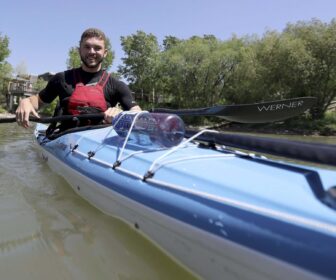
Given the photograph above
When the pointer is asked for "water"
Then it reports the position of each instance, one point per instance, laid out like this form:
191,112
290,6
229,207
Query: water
48,232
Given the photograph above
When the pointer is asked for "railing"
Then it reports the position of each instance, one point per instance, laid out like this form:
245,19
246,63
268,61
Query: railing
16,88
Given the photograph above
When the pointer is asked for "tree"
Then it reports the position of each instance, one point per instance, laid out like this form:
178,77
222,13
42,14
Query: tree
300,61
4,50
48,109
199,70
39,84
318,78
5,67
140,64
170,41
203,71
268,69
74,61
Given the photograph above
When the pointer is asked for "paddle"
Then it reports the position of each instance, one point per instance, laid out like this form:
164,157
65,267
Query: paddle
251,113
299,150
58,119
244,113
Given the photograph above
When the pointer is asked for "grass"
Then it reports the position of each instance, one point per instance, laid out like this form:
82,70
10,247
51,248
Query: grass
325,126
2,110
303,125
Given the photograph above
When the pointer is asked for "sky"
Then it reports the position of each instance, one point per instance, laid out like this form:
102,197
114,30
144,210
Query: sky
41,32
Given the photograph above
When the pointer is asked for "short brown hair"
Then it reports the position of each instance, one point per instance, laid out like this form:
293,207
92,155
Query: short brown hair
93,32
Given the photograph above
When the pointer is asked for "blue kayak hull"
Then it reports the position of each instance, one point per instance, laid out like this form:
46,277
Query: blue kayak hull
219,213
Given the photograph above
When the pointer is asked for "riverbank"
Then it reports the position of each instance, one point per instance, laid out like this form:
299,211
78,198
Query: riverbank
6,115
275,128
296,126
278,129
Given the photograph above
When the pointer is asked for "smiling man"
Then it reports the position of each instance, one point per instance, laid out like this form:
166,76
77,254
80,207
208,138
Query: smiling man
88,89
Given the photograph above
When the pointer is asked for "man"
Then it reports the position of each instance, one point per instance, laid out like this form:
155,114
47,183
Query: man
84,89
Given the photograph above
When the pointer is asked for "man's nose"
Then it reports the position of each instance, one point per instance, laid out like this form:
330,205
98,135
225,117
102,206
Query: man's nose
92,50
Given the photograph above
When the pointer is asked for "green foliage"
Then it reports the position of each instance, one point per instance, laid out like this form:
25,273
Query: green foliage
116,75
5,67
203,71
4,50
49,109
306,125
39,85
141,61
5,75
170,41
198,71
74,60
318,75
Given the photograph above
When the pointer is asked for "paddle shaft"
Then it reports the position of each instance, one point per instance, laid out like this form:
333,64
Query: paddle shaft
58,118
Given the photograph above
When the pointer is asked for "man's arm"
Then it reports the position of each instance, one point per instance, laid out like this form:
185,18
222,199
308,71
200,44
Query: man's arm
27,106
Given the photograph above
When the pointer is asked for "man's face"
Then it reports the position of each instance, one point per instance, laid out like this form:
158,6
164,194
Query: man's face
92,52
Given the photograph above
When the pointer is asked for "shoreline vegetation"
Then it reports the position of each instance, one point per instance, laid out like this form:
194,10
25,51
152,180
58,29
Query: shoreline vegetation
280,128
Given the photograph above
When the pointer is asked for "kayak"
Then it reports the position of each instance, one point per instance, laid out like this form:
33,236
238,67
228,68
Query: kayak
220,213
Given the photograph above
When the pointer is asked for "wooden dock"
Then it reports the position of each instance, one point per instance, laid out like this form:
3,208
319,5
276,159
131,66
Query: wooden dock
18,88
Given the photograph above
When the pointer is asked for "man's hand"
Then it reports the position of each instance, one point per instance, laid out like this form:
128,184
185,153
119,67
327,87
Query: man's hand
25,108
136,108
110,113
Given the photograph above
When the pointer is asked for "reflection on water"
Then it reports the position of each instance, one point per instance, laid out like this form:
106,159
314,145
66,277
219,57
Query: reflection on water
49,232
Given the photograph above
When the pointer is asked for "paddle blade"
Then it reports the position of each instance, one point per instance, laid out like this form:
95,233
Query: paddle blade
267,111
251,113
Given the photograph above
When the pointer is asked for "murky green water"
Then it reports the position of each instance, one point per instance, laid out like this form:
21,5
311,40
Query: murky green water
49,232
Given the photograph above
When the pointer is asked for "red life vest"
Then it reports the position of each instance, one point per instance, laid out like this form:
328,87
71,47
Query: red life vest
87,97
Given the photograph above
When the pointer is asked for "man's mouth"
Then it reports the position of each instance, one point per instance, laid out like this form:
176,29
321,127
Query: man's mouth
91,60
